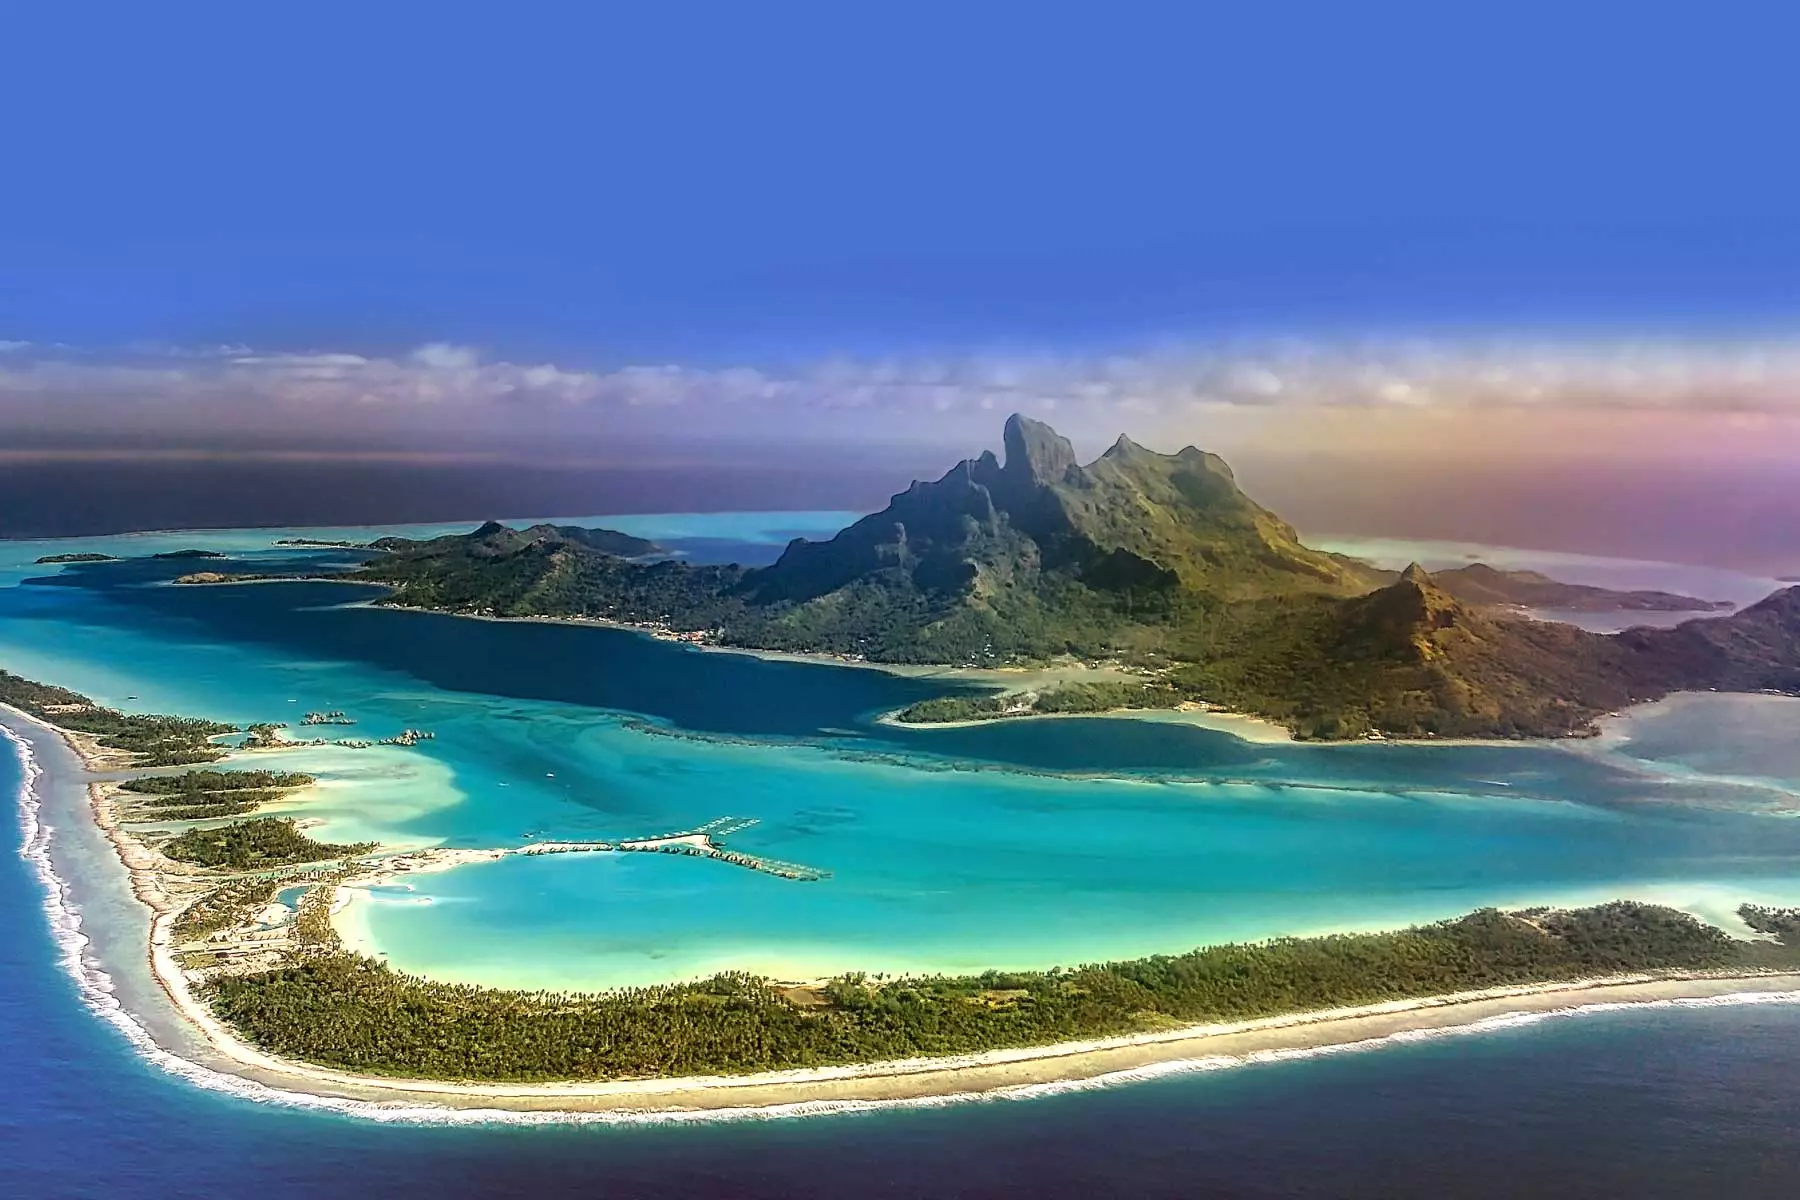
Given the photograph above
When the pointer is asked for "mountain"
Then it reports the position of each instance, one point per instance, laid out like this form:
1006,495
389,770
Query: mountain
1132,519
541,569
1035,556
1479,583
1412,660
492,539
1156,559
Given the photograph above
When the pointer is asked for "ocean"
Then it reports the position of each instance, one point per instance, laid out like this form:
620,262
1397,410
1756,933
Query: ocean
1011,845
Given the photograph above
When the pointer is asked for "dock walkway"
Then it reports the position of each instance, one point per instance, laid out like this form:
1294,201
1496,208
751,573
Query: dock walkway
700,842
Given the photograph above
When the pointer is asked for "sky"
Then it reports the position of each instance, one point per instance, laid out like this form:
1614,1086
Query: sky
1349,246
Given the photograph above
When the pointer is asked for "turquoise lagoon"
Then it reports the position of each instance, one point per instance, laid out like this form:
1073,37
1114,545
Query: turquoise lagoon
1017,845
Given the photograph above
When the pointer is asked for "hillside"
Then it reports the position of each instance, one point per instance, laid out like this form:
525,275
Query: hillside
1156,559
544,569
1032,557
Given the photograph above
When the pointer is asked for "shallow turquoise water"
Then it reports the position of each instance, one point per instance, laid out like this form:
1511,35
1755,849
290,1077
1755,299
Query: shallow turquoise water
1011,846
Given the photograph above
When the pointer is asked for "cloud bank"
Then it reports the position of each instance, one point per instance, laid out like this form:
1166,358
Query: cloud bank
443,389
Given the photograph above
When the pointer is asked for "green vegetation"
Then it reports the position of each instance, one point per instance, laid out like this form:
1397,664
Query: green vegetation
313,933
1072,697
248,845
205,795
1086,696
343,1011
49,559
1782,923
160,741
201,577
191,783
229,904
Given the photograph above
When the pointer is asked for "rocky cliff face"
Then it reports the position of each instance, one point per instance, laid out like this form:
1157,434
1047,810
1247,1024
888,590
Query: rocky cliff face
1131,519
1036,455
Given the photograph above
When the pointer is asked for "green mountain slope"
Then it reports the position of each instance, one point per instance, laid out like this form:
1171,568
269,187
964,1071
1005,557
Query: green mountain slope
1411,660
1132,519
1157,559
544,569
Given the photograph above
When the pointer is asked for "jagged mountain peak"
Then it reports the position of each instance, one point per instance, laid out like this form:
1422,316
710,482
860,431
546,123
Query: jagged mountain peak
1036,453
1124,448
1131,519
1416,574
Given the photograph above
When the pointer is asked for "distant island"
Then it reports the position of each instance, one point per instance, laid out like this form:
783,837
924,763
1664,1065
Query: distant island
75,558
1479,583
1156,563
493,538
189,554
321,544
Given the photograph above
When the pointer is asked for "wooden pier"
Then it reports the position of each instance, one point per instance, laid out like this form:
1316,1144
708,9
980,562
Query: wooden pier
699,842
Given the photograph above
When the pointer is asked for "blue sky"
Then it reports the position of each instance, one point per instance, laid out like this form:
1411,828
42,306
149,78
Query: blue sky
720,181
846,194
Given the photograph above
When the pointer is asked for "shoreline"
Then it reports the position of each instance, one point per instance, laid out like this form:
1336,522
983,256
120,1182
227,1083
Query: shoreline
1243,726
1026,676
1248,727
999,1073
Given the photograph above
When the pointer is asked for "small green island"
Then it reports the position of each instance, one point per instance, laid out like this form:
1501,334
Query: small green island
201,795
253,845
51,559
1072,697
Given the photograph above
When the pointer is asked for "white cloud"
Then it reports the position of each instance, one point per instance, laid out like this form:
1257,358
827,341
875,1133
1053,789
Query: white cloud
1102,392
445,356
